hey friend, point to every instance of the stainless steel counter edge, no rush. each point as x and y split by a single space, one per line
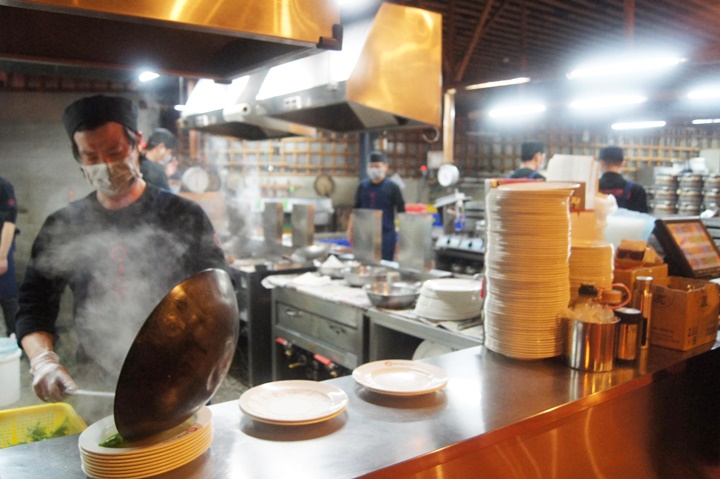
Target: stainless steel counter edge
489 398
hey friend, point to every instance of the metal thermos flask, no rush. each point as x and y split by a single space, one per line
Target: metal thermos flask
628 333
642 300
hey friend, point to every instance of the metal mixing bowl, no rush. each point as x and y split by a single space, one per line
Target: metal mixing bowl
363 274
392 295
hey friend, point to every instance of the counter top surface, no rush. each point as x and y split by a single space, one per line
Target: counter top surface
488 397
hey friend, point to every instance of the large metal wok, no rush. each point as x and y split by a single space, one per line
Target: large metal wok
179 357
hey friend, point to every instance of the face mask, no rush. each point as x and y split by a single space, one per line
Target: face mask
375 173
112 179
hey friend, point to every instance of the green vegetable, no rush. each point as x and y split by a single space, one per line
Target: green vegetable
115 440
38 432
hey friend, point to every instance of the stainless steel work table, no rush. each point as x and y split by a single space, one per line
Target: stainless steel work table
490 403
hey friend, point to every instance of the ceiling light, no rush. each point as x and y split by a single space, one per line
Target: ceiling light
147 76
704 94
605 102
495 84
622 67
707 121
636 125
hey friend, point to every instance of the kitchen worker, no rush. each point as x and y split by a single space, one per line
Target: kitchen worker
158 153
8 231
377 192
628 194
532 156
120 250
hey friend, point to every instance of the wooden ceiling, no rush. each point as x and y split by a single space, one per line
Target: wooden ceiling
487 40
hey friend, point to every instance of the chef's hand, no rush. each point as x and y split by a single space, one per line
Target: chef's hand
51 380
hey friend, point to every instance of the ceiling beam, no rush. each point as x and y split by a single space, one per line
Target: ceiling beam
480 28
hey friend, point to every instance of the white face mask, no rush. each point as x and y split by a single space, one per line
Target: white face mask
375 173
112 179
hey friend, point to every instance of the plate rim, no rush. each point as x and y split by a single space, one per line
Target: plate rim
440 376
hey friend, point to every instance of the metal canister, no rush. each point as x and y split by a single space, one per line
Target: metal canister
642 300
628 333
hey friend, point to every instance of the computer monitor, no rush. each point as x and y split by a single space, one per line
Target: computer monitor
689 249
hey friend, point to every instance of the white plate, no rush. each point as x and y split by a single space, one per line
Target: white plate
293 402
400 377
90 438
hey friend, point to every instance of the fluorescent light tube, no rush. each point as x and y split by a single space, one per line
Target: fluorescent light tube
635 125
622 67
604 102
147 76
495 84
704 94
706 121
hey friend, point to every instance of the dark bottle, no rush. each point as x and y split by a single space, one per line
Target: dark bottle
628 333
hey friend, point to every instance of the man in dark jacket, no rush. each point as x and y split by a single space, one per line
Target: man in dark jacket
532 155
377 192
120 250
158 153
628 194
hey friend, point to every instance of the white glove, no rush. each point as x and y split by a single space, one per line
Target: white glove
51 380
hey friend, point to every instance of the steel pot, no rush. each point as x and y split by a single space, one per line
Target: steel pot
392 295
363 274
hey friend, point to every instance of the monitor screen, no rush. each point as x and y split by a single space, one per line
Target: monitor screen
690 251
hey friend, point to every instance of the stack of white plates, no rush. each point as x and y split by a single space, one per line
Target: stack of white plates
294 402
449 299
527 270
148 457
591 263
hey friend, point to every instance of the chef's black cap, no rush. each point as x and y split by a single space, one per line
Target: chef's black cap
161 135
378 157
611 154
529 148
98 110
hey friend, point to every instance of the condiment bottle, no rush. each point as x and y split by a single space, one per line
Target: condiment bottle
642 300
628 333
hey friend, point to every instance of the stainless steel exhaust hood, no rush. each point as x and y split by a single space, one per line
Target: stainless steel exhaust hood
205 111
387 76
219 40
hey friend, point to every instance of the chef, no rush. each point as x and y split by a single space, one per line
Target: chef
158 153
532 157
120 250
377 192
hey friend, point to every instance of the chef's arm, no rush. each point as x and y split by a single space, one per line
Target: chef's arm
51 381
6 239
36 343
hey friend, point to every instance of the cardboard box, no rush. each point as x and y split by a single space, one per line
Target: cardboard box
684 313
627 277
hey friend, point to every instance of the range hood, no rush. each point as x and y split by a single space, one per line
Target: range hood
219 40
206 111
387 76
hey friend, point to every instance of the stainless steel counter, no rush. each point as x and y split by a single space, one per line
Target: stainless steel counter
489 402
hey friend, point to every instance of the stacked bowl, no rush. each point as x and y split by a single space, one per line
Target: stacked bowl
527 268
449 299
